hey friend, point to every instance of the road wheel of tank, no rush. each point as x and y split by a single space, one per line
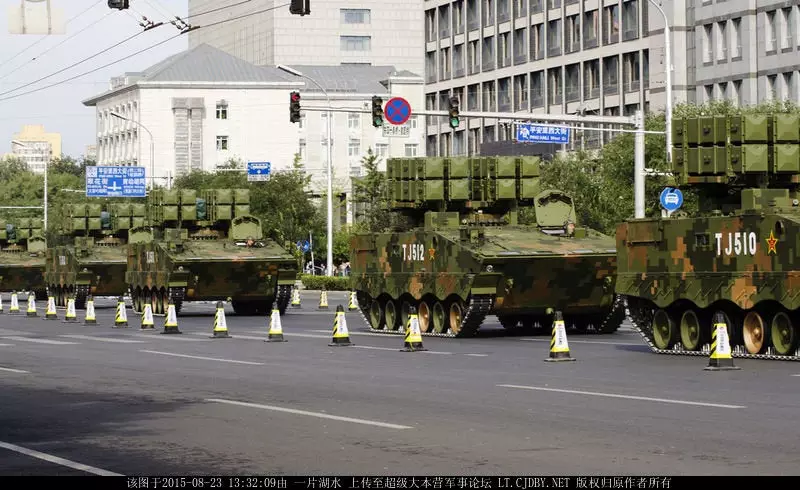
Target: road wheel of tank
390 314
424 313
691 329
755 332
665 332
376 315
455 316
508 321
438 318
405 312
784 334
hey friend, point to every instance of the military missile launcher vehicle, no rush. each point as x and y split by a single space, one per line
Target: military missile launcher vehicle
206 246
737 255
89 256
22 256
459 252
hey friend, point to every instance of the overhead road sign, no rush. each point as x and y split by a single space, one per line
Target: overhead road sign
106 181
538 133
397 110
258 171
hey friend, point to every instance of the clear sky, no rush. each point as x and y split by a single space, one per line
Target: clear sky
94 28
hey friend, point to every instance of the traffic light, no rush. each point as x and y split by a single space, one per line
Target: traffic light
454 112
119 4
294 107
300 7
377 111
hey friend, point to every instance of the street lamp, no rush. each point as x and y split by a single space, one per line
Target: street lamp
330 162
152 159
668 60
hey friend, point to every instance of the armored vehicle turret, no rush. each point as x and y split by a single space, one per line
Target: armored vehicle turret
206 246
737 254
22 256
459 253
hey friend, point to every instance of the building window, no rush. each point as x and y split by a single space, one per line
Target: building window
354 121
413 122
611 24
355 16
354 148
355 43
222 143
736 38
707 43
771 37
382 149
222 111
411 150
301 150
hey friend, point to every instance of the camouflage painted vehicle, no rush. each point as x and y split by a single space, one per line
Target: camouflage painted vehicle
738 255
22 252
206 246
89 257
462 255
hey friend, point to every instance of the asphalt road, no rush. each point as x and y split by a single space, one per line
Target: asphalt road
96 400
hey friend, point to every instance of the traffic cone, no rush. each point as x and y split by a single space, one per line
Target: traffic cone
341 337
720 359
275 328
31 305
559 348
220 324
70 317
171 322
50 314
147 317
14 303
352 304
413 340
295 298
90 318
121 318
323 300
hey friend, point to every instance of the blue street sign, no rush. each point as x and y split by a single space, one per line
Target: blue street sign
103 181
397 111
671 199
537 133
258 171
303 245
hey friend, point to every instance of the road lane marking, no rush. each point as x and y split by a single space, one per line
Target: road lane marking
40 341
629 397
12 370
6 331
311 414
795 374
287 335
7 345
477 355
104 339
55 459
169 337
586 342
202 358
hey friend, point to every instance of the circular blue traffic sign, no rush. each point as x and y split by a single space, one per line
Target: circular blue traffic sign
398 110
671 199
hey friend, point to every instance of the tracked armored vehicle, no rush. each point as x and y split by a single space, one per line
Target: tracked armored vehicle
459 253
22 256
737 255
89 257
206 246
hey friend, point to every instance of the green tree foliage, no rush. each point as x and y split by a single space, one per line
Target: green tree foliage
369 196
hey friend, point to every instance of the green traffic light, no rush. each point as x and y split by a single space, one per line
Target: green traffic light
453 122
377 121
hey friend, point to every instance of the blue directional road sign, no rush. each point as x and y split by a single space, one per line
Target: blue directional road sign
537 133
103 181
671 199
258 171
397 111
303 245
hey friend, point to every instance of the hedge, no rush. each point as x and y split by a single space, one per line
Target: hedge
329 283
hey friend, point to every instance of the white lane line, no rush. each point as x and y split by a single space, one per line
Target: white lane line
234 361
376 348
40 341
5 331
12 370
7 345
367 334
477 355
57 460
629 397
311 414
169 337
795 375
292 334
104 339
586 342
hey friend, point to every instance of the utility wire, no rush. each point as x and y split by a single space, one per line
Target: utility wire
131 55
220 8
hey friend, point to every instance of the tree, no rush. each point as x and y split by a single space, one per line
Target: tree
369 196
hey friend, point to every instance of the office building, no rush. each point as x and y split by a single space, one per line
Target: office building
36 146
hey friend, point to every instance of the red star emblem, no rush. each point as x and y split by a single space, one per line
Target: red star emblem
431 252
771 243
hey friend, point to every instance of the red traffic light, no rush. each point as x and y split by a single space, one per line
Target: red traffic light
295 96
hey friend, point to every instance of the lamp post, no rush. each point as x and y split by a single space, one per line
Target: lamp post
668 60
330 163
152 159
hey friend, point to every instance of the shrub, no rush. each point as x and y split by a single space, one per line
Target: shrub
325 282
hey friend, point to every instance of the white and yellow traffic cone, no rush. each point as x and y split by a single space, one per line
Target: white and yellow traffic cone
50 313
559 347
71 315
275 328
171 322
14 303
121 317
720 358
341 336
323 300
295 298
353 303
90 319
413 339
220 323
147 317
31 305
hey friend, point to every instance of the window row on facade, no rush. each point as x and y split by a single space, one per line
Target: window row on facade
779 86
